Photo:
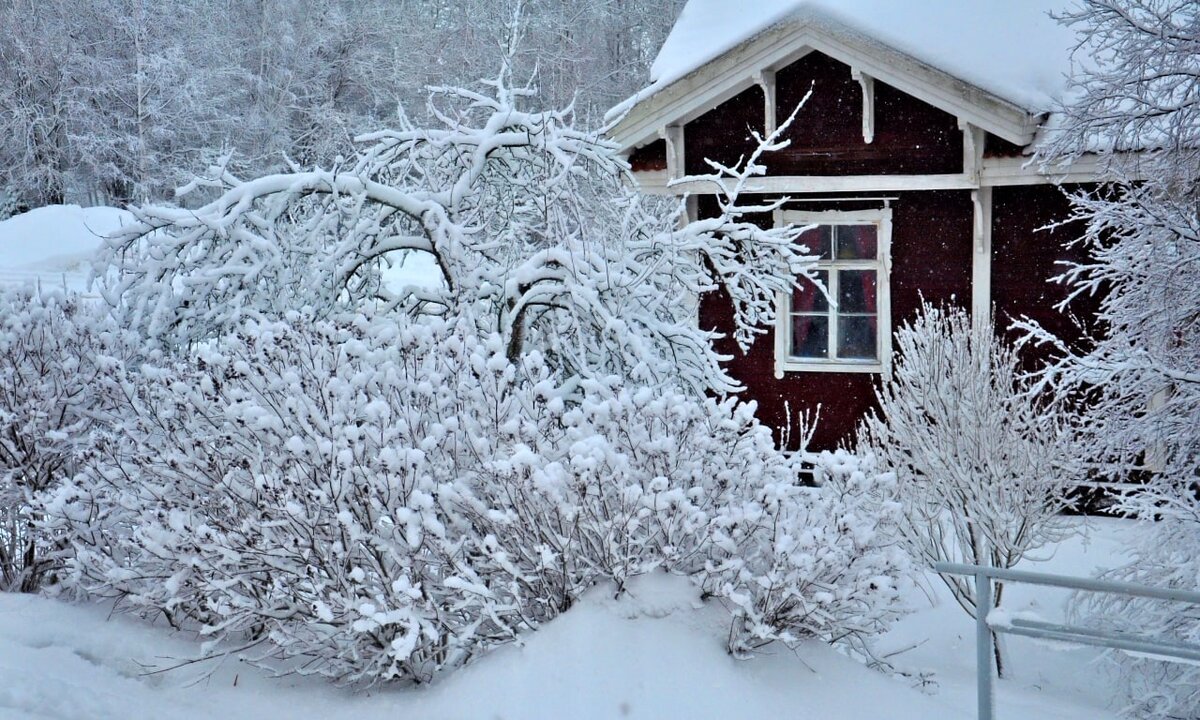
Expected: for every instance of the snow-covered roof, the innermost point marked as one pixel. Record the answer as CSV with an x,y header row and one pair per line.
x,y
1012,50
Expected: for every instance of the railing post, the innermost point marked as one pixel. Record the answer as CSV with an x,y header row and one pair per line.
x,y
983,576
983,646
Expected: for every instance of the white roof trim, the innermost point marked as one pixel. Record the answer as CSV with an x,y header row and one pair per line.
x,y
729,74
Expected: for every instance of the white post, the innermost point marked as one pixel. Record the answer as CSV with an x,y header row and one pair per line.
x,y
981,258
984,650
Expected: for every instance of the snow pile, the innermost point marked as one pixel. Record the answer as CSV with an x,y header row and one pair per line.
x,y
657,652
1012,48
54,245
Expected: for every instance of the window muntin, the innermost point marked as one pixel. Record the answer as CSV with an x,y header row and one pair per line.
x,y
850,333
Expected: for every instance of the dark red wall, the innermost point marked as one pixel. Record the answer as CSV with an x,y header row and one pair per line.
x,y
723,133
911,137
931,256
652,156
1026,254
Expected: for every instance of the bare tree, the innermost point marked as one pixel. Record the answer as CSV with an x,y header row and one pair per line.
x,y
1137,103
981,469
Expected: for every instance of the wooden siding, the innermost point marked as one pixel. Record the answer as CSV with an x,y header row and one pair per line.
x,y
650,157
1026,255
723,133
931,257
911,137
932,231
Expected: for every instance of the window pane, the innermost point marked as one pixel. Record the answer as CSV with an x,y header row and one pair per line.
x,y
856,337
809,297
810,336
856,242
856,291
818,240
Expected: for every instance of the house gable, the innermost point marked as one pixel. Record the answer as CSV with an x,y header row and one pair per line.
x,y
753,61
914,186
908,136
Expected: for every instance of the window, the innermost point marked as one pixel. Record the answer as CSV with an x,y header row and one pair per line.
x,y
847,327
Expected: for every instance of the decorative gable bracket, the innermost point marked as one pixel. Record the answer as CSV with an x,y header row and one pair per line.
x,y
868,103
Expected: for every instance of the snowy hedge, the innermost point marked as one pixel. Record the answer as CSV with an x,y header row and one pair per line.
x,y
373,499
59,363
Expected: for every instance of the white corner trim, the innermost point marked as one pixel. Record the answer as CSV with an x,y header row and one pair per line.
x,y
673,135
981,259
868,105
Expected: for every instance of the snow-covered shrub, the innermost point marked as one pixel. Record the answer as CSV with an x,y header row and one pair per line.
x,y
793,561
1166,555
294,490
10,203
377,498
625,482
981,463
369,483
59,362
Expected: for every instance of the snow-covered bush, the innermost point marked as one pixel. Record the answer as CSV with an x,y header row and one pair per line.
x,y
10,203
59,362
371,499
295,488
1136,105
981,464
793,561
1166,555
372,483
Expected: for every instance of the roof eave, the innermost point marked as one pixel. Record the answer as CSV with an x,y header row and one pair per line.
x,y
725,76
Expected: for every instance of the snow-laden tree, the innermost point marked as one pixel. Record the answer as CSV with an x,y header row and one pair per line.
x,y
981,466
533,225
60,363
1137,104
373,499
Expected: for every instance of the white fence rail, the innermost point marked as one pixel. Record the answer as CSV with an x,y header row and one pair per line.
x,y
1056,631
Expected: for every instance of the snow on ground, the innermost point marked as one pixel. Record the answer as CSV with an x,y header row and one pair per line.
x,y
656,653
411,268
1051,682
54,245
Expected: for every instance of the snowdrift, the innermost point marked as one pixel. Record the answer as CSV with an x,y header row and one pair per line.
x,y
54,245
655,653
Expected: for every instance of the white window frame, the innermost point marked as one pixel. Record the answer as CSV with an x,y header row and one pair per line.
x,y
882,219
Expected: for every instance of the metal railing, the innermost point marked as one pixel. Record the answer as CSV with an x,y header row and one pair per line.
x,y
984,649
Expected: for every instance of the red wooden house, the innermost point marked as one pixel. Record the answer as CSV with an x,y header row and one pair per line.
x,y
911,157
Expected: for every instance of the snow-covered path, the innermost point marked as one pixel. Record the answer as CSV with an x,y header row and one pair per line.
x,y
656,653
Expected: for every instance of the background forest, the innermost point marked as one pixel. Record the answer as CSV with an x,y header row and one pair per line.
x,y
115,101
